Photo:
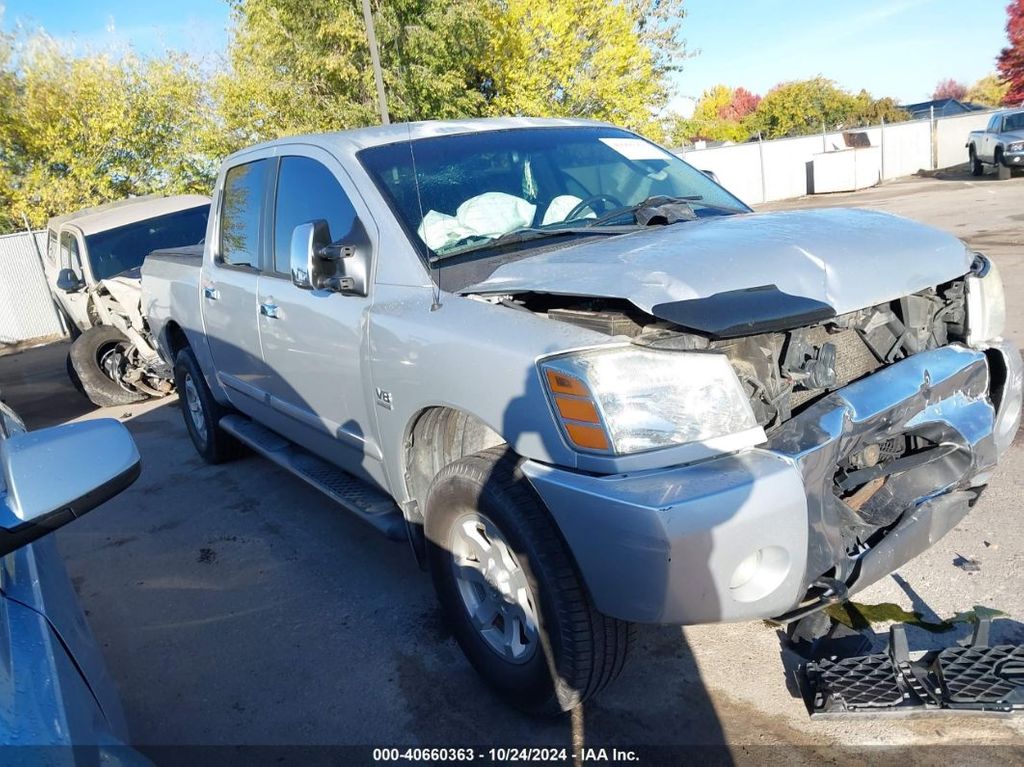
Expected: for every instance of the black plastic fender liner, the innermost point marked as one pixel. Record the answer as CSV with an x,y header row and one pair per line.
x,y
749,311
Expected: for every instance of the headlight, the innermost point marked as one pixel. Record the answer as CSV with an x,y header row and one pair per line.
x,y
986,304
1017,146
627,400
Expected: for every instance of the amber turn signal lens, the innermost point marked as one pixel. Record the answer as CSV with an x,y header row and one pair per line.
x,y
577,409
592,437
560,383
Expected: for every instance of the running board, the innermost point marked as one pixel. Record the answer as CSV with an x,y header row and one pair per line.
x,y
975,677
360,498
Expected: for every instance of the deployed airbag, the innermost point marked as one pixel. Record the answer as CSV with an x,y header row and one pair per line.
x,y
490,214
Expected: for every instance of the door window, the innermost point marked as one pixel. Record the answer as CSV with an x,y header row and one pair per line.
x,y
307,190
241,213
69,258
52,250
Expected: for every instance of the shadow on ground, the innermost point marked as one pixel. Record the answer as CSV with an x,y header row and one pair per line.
x,y
237,605
35,383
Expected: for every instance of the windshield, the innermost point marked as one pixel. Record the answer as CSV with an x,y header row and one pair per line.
x,y
118,250
1014,122
476,187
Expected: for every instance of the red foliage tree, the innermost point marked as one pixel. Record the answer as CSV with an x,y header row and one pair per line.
x,y
1011,61
743,103
950,89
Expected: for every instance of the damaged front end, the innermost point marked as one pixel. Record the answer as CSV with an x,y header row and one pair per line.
x,y
891,463
893,417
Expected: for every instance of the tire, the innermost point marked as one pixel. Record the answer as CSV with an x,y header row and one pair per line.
x,y
573,651
73,375
201,412
88,354
1005,171
977,169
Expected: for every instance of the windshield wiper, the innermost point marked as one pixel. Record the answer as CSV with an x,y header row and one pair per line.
x,y
659,200
528,234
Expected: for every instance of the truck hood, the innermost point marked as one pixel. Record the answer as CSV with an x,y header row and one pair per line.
x,y
126,288
846,259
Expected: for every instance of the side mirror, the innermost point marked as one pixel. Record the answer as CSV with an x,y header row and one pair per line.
x,y
69,281
53,476
317,262
712,175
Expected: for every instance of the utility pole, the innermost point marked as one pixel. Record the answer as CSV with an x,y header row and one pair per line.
x,y
371,39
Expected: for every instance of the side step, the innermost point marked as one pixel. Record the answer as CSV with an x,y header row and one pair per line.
x,y
366,502
975,677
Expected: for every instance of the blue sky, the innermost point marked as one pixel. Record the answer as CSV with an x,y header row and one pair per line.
x,y
898,48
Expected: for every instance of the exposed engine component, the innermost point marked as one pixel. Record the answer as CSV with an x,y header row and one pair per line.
x,y
813,366
784,372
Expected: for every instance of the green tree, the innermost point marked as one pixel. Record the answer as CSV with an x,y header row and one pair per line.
x,y
658,24
85,130
871,111
989,91
576,58
10,155
297,66
801,107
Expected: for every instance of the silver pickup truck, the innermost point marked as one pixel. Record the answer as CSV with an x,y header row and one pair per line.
x,y
1001,144
588,383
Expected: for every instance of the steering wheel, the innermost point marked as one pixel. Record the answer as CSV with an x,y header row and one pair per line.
x,y
582,205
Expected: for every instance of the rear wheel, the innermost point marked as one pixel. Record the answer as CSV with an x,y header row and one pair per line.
x,y
510,590
99,357
977,169
202,413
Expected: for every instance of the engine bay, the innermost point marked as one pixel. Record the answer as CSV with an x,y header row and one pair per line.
x,y
783,372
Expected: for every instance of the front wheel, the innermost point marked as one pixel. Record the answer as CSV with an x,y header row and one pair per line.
x,y
1005,171
99,359
510,590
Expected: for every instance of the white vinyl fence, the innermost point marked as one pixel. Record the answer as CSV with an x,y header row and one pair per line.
x,y
763,171
27,313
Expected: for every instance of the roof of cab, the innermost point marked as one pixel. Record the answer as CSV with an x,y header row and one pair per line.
x,y
111,215
352,141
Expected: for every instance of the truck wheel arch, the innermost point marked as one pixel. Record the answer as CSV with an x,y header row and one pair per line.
x,y
174,339
436,437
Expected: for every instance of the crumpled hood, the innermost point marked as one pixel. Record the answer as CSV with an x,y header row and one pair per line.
x,y
125,287
845,258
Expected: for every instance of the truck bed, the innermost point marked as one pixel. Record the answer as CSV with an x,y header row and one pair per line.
x,y
187,253
171,276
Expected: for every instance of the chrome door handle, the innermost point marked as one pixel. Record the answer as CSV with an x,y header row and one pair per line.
x,y
269,310
211,293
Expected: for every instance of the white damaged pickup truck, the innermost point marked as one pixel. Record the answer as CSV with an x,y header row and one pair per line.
x,y
589,384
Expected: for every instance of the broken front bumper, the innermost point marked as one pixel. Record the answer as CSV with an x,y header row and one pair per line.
x,y
759,534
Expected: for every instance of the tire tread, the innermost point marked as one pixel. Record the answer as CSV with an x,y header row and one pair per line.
x,y
595,646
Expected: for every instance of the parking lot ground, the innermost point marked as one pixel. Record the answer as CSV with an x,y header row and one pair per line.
x,y
235,605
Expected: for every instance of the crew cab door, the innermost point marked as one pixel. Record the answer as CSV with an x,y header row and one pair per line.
x,y
228,284
991,138
314,341
68,255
